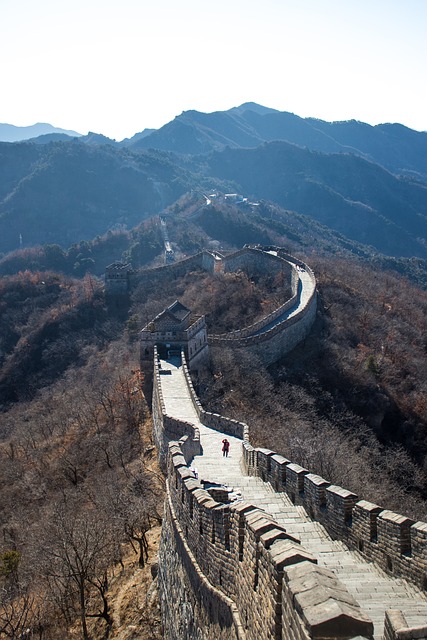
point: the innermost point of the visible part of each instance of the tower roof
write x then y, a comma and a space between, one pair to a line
178, 310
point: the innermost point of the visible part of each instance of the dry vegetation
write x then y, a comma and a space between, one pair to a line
80, 492
79, 489
229, 301
79, 483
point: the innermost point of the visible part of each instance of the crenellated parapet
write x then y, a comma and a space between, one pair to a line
214, 420
230, 566
273, 335
394, 542
279, 332
263, 577
167, 428
267, 581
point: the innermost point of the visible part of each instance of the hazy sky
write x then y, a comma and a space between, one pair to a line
117, 67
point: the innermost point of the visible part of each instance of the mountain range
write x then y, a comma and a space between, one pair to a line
367, 183
394, 146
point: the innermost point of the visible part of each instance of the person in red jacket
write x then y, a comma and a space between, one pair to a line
225, 447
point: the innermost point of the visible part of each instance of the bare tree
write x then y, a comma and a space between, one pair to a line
79, 549
16, 613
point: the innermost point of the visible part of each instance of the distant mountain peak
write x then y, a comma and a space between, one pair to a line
253, 106
13, 133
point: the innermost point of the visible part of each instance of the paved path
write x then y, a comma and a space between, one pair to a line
307, 286
371, 587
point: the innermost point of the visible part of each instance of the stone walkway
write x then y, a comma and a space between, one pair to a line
307, 286
371, 587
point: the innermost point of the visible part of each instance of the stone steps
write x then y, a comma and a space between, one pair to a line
373, 589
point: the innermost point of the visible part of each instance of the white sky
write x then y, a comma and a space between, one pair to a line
117, 67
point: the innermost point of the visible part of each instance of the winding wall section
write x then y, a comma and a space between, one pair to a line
256, 547
275, 334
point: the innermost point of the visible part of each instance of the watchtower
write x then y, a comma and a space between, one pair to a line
117, 279
175, 328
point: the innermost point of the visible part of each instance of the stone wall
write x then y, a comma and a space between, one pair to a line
394, 542
214, 420
167, 428
117, 278
256, 262
260, 324
168, 271
229, 570
197, 609
268, 345
261, 572
395, 627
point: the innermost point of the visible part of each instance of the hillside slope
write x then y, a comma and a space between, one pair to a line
66, 192
355, 197
76, 458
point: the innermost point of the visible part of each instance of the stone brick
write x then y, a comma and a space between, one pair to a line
295, 482
335, 619
276, 533
284, 553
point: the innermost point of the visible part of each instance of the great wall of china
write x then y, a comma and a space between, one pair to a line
253, 545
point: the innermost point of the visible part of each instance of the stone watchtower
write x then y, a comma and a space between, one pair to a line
173, 329
117, 279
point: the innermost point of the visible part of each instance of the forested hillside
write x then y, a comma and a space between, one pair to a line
75, 433
80, 491
358, 199
79, 485
194, 226
66, 192
366, 183
350, 402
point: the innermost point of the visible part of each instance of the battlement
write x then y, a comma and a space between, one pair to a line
280, 331
254, 579
395, 543
231, 568
173, 329
269, 338
117, 279
252, 561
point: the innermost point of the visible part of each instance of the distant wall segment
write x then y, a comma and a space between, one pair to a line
273, 335
276, 334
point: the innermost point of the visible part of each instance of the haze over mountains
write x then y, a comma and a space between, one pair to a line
394, 146
367, 183
11, 133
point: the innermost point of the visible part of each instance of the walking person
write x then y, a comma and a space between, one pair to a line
225, 447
